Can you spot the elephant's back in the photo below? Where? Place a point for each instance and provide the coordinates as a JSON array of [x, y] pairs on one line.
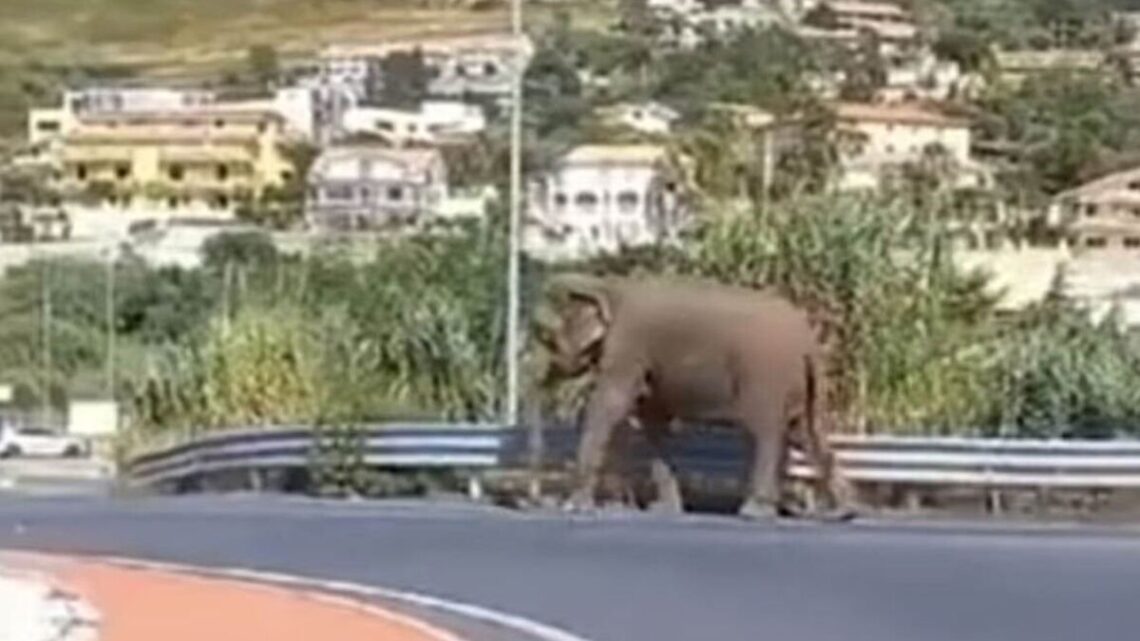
[[709, 311]]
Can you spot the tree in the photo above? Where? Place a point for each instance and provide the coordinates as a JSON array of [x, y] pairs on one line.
[[282, 206], [405, 79], [264, 64]]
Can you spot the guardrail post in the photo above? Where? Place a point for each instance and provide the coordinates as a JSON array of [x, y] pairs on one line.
[[475, 487]]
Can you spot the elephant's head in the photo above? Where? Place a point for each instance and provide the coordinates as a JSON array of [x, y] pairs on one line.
[[572, 323]]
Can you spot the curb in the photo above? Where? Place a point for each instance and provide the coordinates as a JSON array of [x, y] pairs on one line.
[[36, 611]]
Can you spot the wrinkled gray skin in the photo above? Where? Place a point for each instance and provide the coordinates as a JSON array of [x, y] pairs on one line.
[[694, 351]]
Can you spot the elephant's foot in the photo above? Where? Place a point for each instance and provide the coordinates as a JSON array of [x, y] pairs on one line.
[[667, 506], [841, 514], [757, 510], [580, 502]]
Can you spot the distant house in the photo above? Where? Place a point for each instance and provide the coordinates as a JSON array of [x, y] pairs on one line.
[[689, 27], [600, 198], [876, 140], [482, 64], [1016, 66], [1103, 213], [434, 122], [368, 187], [921, 76], [843, 22], [651, 118]]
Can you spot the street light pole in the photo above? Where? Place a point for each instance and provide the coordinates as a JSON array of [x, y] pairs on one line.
[[110, 309], [45, 284], [513, 262]]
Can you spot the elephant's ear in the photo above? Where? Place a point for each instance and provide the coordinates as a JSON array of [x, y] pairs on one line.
[[588, 312], [583, 289]]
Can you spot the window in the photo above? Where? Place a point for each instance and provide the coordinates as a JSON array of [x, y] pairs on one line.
[[177, 172], [172, 202], [48, 125], [262, 126], [223, 173], [490, 69], [219, 123], [627, 202], [395, 194], [586, 200], [221, 201], [341, 193], [1096, 242], [81, 172], [1090, 210], [1132, 242], [122, 172], [365, 194], [1134, 185], [560, 201]]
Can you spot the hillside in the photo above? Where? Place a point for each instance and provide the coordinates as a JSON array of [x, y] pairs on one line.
[[45, 44], [162, 36]]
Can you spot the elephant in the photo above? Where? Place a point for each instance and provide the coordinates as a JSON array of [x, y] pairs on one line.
[[668, 351]]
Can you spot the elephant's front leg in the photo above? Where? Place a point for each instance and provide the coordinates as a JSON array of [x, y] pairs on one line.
[[610, 403]]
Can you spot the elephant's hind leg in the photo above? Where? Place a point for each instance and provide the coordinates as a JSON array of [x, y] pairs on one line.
[[764, 492], [667, 499]]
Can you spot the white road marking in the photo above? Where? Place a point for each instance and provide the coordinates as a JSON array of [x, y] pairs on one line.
[[537, 630]]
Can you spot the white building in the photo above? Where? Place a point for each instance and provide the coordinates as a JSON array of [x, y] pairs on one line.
[[893, 26], [601, 198], [297, 105], [48, 124], [690, 28], [475, 64], [434, 122], [878, 139], [368, 187]]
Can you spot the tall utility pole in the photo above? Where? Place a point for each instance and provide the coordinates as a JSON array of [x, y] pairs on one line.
[[110, 324], [45, 284], [512, 346]]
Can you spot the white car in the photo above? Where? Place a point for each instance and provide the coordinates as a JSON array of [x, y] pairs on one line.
[[37, 441]]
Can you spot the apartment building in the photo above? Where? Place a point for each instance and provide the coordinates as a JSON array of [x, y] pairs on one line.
[[375, 188], [1103, 213], [206, 159], [876, 140], [600, 198]]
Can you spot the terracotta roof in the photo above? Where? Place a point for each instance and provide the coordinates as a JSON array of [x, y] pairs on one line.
[[490, 40], [1106, 187], [900, 113], [867, 8], [413, 159], [626, 154], [247, 111], [1056, 58]]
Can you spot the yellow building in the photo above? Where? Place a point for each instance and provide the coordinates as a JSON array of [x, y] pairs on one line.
[[207, 158]]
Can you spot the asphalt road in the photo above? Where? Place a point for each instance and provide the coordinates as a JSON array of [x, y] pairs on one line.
[[634, 578]]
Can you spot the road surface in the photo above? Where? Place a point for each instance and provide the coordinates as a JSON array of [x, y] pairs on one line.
[[636, 577]]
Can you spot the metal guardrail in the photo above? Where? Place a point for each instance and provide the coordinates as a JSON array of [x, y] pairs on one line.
[[877, 459]]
